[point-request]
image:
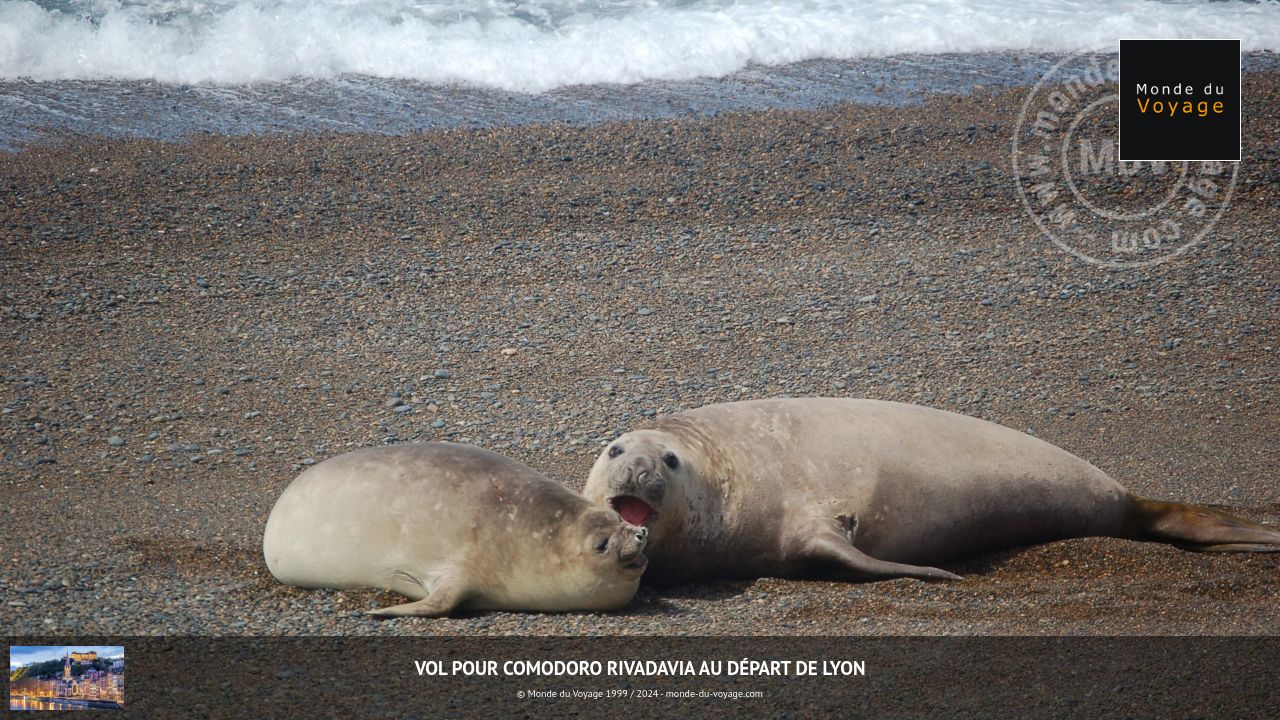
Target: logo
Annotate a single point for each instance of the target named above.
(1180, 100)
(1091, 204)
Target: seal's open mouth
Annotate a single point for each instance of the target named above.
(631, 508)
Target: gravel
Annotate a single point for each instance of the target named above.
(855, 251)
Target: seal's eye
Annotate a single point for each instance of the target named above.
(615, 451)
(671, 460)
(602, 545)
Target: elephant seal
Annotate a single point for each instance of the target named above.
(448, 526)
(869, 489)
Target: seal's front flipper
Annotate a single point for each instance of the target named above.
(833, 549)
(1201, 529)
(444, 598)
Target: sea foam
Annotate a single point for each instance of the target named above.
(543, 44)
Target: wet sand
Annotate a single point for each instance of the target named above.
(186, 325)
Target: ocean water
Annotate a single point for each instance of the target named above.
(164, 68)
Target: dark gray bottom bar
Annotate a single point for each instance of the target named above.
(661, 677)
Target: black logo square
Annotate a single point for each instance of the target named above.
(1180, 100)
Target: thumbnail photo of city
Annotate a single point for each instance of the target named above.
(66, 677)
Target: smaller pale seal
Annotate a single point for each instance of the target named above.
(451, 526)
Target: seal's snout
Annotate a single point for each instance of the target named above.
(638, 468)
(640, 477)
(631, 549)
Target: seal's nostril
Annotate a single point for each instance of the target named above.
(644, 533)
(644, 475)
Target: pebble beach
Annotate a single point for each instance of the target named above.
(188, 325)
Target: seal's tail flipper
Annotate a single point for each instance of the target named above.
(1201, 529)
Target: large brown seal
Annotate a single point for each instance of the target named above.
(868, 489)
(451, 525)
